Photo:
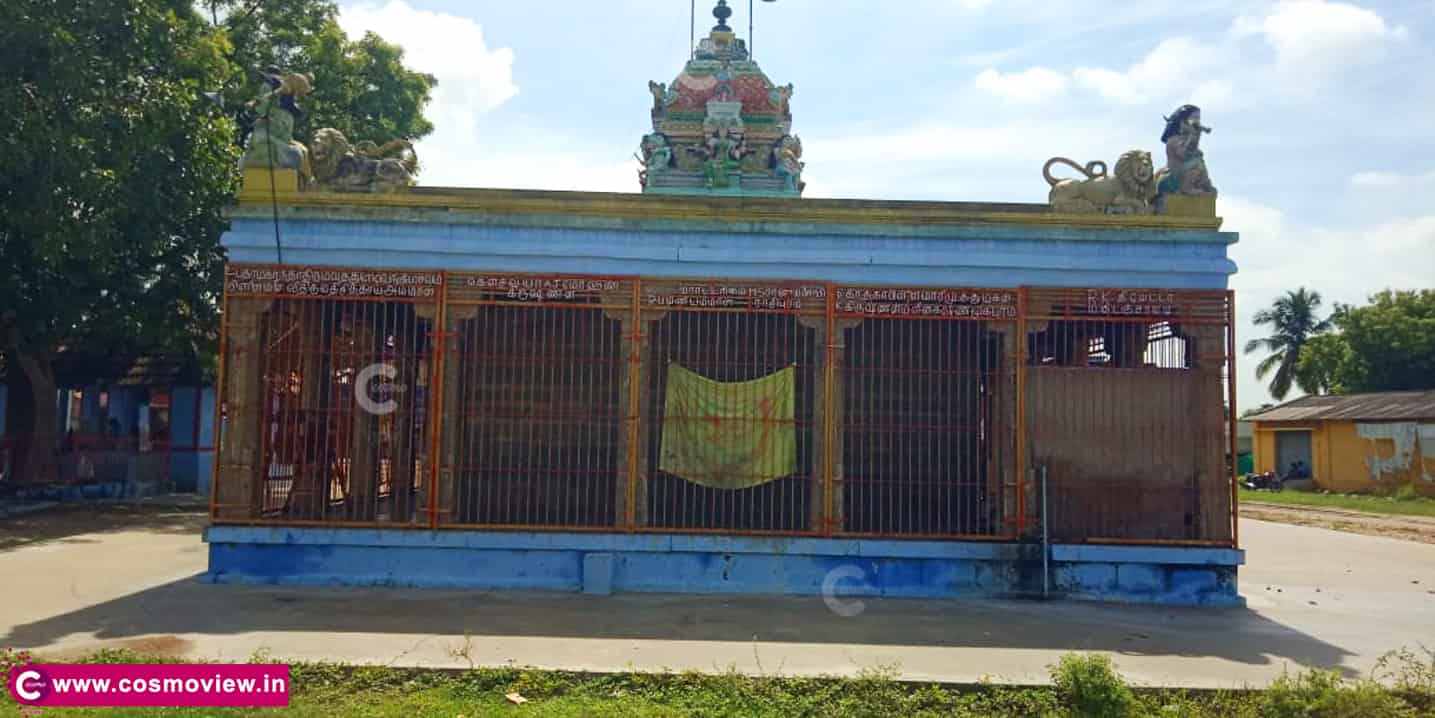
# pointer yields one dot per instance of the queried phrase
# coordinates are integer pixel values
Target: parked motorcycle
(1266, 481)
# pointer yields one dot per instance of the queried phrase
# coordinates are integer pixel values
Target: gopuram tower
(721, 127)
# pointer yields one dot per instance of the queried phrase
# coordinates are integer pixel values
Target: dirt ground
(1408, 528)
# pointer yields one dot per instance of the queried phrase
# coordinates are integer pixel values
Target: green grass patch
(1405, 503)
(1082, 687)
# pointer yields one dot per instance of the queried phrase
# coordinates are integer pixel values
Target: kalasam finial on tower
(722, 12)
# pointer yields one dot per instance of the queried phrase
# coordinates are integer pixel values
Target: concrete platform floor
(1316, 598)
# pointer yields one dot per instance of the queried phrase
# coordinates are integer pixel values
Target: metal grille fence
(928, 388)
(326, 405)
(537, 432)
(618, 403)
(727, 422)
(1146, 366)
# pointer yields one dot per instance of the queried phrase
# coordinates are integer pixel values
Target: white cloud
(562, 167)
(1389, 180)
(974, 5)
(472, 79)
(937, 145)
(1212, 93)
(1314, 38)
(1030, 85)
(1110, 84)
(1344, 264)
(1167, 71)
(958, 161)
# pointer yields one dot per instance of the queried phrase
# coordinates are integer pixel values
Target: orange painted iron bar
(439, 330)
(635, 375)
(1231, 414)
(1152, 542)
(549, 528)
(219, 395)
(536, 303)
(1020, 411)
(321, 298)
(530, 275)
(829, 414)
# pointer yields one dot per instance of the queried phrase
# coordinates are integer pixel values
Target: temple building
(716, 385)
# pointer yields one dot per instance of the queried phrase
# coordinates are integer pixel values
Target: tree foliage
(361, 87)
(1391, 342)
(1293, 320)
(117, 167)
(1325, 364)
(117, 144)
(116, 172)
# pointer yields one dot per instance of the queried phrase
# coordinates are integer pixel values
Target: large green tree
(1325, 364)
(115, 173)
(1390, 342)
(1293, 319)
(361, 87)
(116, 164)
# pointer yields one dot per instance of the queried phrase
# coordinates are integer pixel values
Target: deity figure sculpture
(724, 91)
(787, 162)
(781, 98)
(271, 141)
(662, 97)
(722, 154)
(1185, 171)
(657, 157)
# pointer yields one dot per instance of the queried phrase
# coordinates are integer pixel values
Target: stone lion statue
(1129, 190)
(362, 167)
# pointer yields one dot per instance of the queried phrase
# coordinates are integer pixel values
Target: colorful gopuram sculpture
(721, 127)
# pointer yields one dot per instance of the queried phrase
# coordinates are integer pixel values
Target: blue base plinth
(662, 563)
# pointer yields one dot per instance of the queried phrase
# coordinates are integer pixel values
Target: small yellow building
(1353, 443)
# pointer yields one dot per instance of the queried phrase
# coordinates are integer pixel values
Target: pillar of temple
(1025, 470)
(1206, 348)
(1002, 468)
(409, 497)
(828, 398)
(236, 492)
(633, 439)
(362, 499)
(450, 412)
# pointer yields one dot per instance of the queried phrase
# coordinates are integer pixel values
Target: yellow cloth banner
(729, 435)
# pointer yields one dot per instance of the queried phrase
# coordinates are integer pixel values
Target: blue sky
(1324, 112)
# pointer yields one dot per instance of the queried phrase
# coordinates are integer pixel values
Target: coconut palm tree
(1293, 321)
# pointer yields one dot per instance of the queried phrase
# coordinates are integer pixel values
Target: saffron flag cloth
(729, 435)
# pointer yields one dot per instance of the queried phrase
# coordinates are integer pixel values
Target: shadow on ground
(192, 606)
(67, 523)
